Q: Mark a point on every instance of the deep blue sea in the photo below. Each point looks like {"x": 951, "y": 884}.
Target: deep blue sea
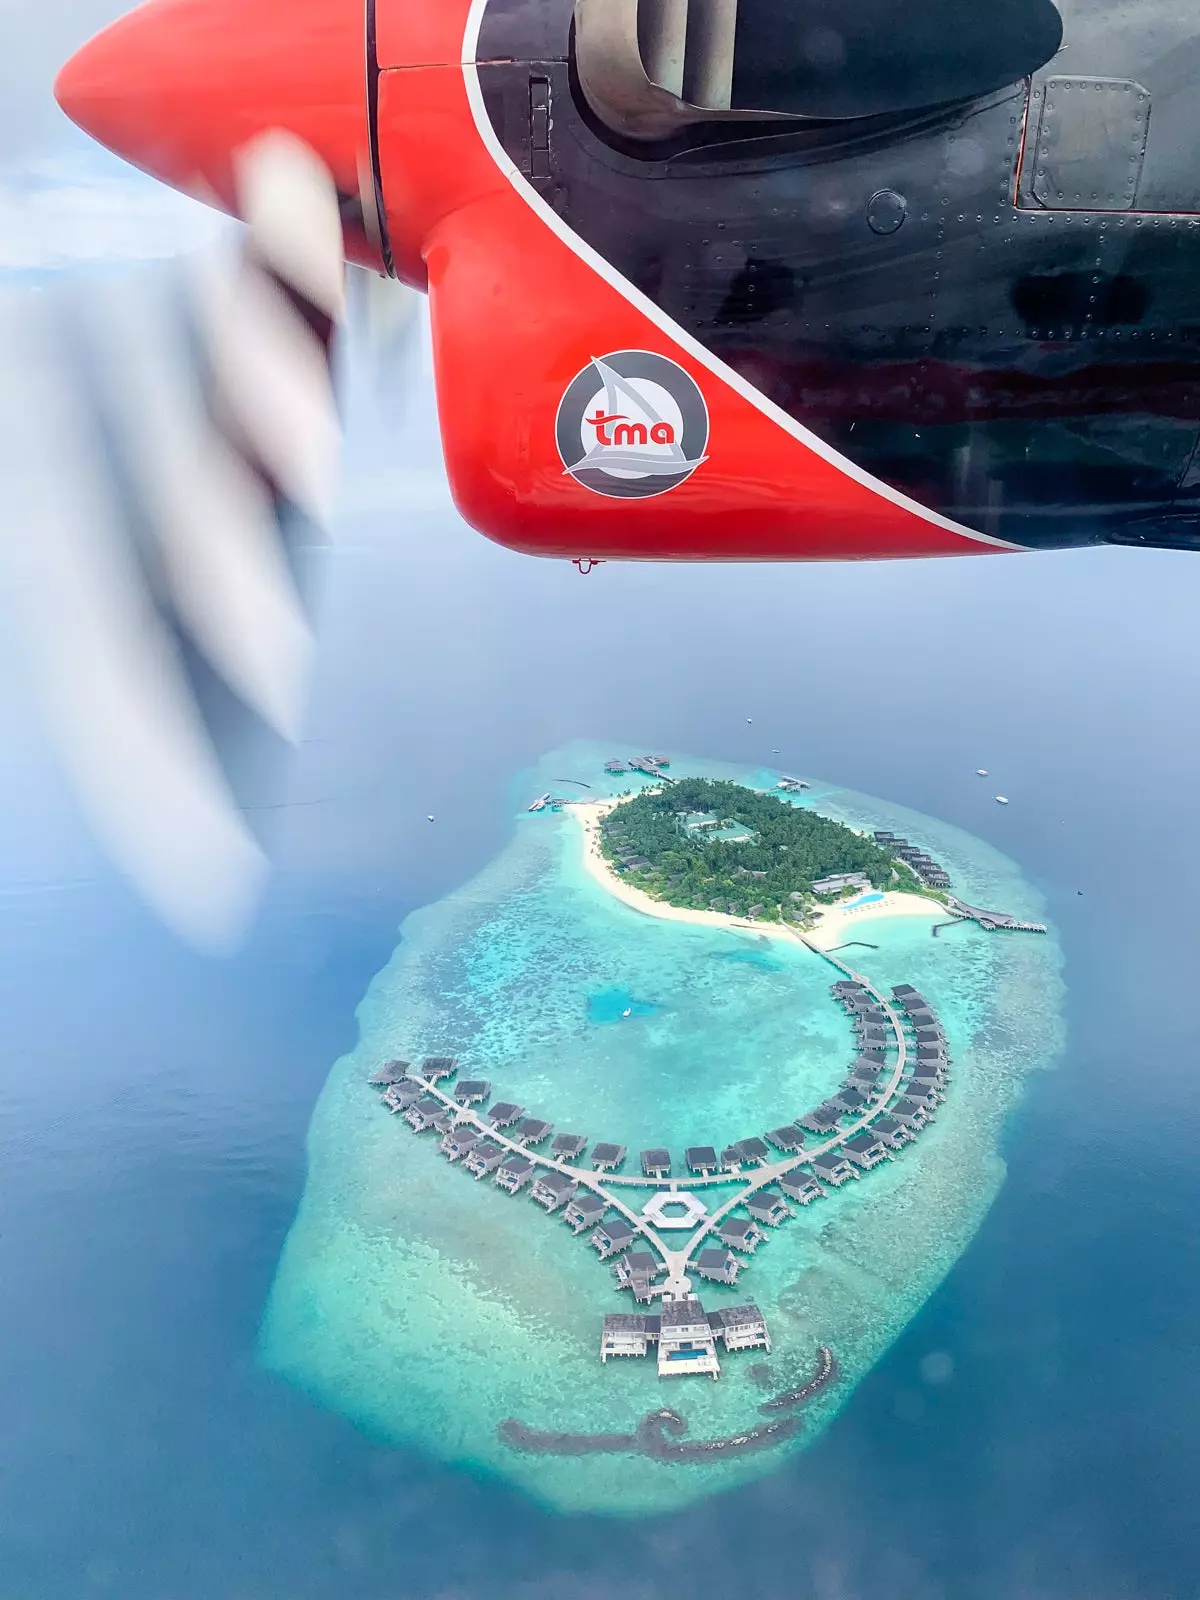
{"x": 154, "y": 1104}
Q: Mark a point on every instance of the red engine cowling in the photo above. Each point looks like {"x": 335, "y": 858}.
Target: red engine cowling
{"x": 577, "y": 419}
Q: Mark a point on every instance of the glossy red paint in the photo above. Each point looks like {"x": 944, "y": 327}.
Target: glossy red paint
{"x": 177, "y": 86}
{"x": 517, "y": 313}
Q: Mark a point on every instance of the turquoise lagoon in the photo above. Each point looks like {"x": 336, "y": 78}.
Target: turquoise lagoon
{"x": 429, "y": 1308}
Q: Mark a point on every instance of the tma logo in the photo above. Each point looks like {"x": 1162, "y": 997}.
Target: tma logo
{"x": 632, "y": 424}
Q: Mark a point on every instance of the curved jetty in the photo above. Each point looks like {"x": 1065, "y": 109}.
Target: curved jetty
{"x": 526, "y": 1224}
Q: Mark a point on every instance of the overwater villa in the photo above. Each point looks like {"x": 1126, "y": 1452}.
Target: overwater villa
{"x": 568, "y": 1146}
{"x": 532, "y": 1131}
{"x": 864, "y": 1076}
{"x": 399, "y": 1096}
{"x": 504, "y": 1113}
{"x": 472, "y": 1091}
{"x": 832, "y": 1167}
{"x": 906, "y": 994}
{"x": 865, "y": 1149}
{"x": 610, "y": 1237}
{"x": 788, "y": 1138}
{"x": 754, "y": 1149}
{"x": 740, "y": 1233}
{"x": 607, "y": 1157}
{"x": 741, "y": 1328}
{"x": 428, "y": 1112}
{"x": 656, "y": 1163}
{"x": 484, "y": 1158}
{"x": 890, "y": 1132}
{"x": 823, "y": 1120}
{"x": 719, "y": 1266}
{"x": 850, "y": 1101}
{"x": 513, "y": 1173}
{"x": 628, "y": 1333}
{"x": 800, "y": 1187}
{"x": 584, "y": 1210}
{"x": 701, "y": 1159}
{"x": 553, "y": 1189}
{"x": 390, "y": 1072}
{"x": 435, "y": 1068}
{"x": 459, "y": 1142}
{"x": 637, "y": 1271}
{"x": 686, "y": 1341}
{"x": 769, "y": 1206}
{"x": 909, "y": 1114}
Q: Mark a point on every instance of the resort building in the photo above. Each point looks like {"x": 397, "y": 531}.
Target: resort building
{"x": 907, "y": 996}
{"x": 656, "y": 1163}
{"x": 849, "y": 1101}
{"x": 788, "y": 1138}
{"x": 399, "y": 1096}
{"x": 769, "y": 1206}
{"x": 832, "y": 1167}
{"x": 435, "y": 1068}
{"x": 890, "y": 1132}
{"x": 846, "y": 988}
{"x": 865, "y": 1149}
{"x": 428, "y": 1112}
{"x": 472, "y": 1091}
{"x": 637, "y": 1272}
{"x": 739, "y": 1233}
{"x": 864, "y": 1077}
{"x": 628, "y": 1334}
{"x": 823, "y": 1120}
{"x": 513, "y": 1173}
{"x": 800, "y": 1187}
{"x": 531, "y": 1131}
{"x": 686, "y": 1342}
{"x": 921, "y": 1093}
{"x": 607, "y": 1157}
{"x": 837, "y": 882}
{"x": 504, "y": 1113}
{"x": 615, "y": 767}
{"x": 568, "y": 1147}
{"x": 792, "y": 785}
{"x": 610, "y": 1237}
{"x": 459, "y": 1142}
{"x": 741, "y": 1328}
{"x": 719, "y": 1266}
{"x": 701, "y": 1158}
{"x": 553, "y": 1189}
{"x": 390, "y": 1072}
{"x": 484, "y": 1158}
{"x": 909, "y": 1114}
{"x": 584, "y": 1210}
{"x": 754, "y": 1149}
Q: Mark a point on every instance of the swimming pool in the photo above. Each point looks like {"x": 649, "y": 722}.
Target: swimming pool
{"x": 863, "y": 900}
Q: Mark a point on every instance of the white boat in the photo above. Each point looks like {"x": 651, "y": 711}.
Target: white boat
{"x": 981, "y": 772}
{"x": 628, "y": 1011}
{"x": 1001, "y": 799}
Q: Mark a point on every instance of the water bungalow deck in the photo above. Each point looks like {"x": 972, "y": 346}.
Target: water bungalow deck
{"x": 891, "y": 1132}
{"x": 607, "y": 1157}
{"x": 504, "y": 1113}
{"x": 686, "y": 1341}
{"x": 741, "y": 1328}
{"x": 701, "y": 1158}
{"x": 637, "y": 1271}
{"x": 568, "y": 1146}
{"x": 628, "y": 1333}
{"x": 472, "y": 1091}
{"x": 399, "y": 1096}
{"x": 656, "y": 1163}
{"x": 909, "y": 1114}
{"x": 427, "y": 1112}
{"x": 755, "y": 1149}
{"x": 459, "y": 1142}
{"x": 821, "y": 1121}
{"x": 866, "y": 1150}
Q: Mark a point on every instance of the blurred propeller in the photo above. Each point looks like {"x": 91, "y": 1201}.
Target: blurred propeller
{"x": 174, "y": 446}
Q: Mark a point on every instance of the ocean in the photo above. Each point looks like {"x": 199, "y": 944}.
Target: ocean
{"x": 1031, "y": 1429}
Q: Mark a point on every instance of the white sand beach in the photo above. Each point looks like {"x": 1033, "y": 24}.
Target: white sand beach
{"x": 833, "y": 928}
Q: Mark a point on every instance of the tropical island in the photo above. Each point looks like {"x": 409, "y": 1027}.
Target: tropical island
{"x": 710, "y": 844}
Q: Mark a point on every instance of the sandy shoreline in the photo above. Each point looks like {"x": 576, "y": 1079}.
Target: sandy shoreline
{"x": 835, "y": 926}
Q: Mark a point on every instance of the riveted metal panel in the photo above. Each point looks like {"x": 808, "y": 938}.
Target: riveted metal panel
{"x": 1091, "y": 144}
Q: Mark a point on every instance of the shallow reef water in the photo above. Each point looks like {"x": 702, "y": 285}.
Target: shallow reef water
{"x": 435, "y": 1310}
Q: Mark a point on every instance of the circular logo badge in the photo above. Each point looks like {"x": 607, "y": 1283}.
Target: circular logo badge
{"x": 632, "y": 424}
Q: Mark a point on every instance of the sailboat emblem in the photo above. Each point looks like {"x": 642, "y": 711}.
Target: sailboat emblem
{"x": 632, "y": 424}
